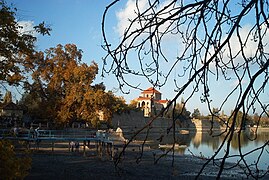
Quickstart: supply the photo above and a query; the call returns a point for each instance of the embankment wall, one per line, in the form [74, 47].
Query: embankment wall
[134, 120]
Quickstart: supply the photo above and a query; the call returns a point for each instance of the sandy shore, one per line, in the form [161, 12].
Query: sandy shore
[76, 165]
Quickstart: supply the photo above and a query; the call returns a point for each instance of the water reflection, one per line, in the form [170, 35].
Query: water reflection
[202, 143]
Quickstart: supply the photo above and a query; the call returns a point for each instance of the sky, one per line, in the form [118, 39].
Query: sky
[72, 21]
[79, 22]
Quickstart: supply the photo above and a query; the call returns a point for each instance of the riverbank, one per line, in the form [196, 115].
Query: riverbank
[74, 165]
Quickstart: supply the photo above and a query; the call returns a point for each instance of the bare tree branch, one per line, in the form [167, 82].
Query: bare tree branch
[217, 41]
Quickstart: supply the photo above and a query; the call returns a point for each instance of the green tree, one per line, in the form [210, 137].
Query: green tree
[179, 112]
[35, 107]
[109, 104]
[242, 119]
[216, 112]
[196, 114]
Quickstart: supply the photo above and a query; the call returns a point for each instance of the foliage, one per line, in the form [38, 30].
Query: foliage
[258, 120]
[62, 83]
[216, 111]
[264, 121]
[179, 112]
[62, 88]
[14, 45]
[242, 119]
[11, 166]
[196, 114]
[213, 44]
[7, 97]
[34, 105]
[133, 105]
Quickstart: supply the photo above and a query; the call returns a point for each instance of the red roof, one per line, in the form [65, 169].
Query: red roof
[163, 101]
[151, 90]
[143, 98]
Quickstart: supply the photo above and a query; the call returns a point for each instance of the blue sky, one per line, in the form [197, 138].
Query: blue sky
[79, 22]
[72, 21]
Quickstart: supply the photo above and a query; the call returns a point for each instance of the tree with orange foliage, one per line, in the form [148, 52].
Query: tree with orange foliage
[15, 45]
[64, 85]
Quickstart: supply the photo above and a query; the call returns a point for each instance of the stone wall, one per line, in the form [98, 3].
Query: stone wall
[205, 124]
[134, 120]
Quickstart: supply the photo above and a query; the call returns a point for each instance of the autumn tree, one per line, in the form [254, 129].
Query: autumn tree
[63, 83]
[63, 87]
[213, 42]
[133, 104]
[15, 44]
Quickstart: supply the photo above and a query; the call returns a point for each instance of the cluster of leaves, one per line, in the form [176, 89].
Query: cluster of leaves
[15, 45]
[12, 45]
[179, 112]
[11, 166]
[62, 87]
[196, 113]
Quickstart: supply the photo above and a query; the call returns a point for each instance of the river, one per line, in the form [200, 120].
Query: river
[204, 145]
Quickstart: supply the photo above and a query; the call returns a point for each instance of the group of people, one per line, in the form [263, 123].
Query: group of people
[34, 133]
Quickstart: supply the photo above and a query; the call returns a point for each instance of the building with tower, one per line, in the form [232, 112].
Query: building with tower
[150, 101]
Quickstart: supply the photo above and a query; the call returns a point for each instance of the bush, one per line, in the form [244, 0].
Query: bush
[12, 166]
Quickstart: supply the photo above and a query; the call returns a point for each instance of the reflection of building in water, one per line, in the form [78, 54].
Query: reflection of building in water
[203, 133]
[197, 139]
[203, 137]
[151, 101]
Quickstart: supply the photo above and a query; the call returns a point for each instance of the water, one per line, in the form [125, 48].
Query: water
[202, 144]
[207, 145]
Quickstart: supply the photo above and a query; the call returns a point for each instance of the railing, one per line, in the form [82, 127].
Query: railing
[64, 134]
[48, 134]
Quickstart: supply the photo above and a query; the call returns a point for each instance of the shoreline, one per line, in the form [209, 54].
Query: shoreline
[73, 165]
